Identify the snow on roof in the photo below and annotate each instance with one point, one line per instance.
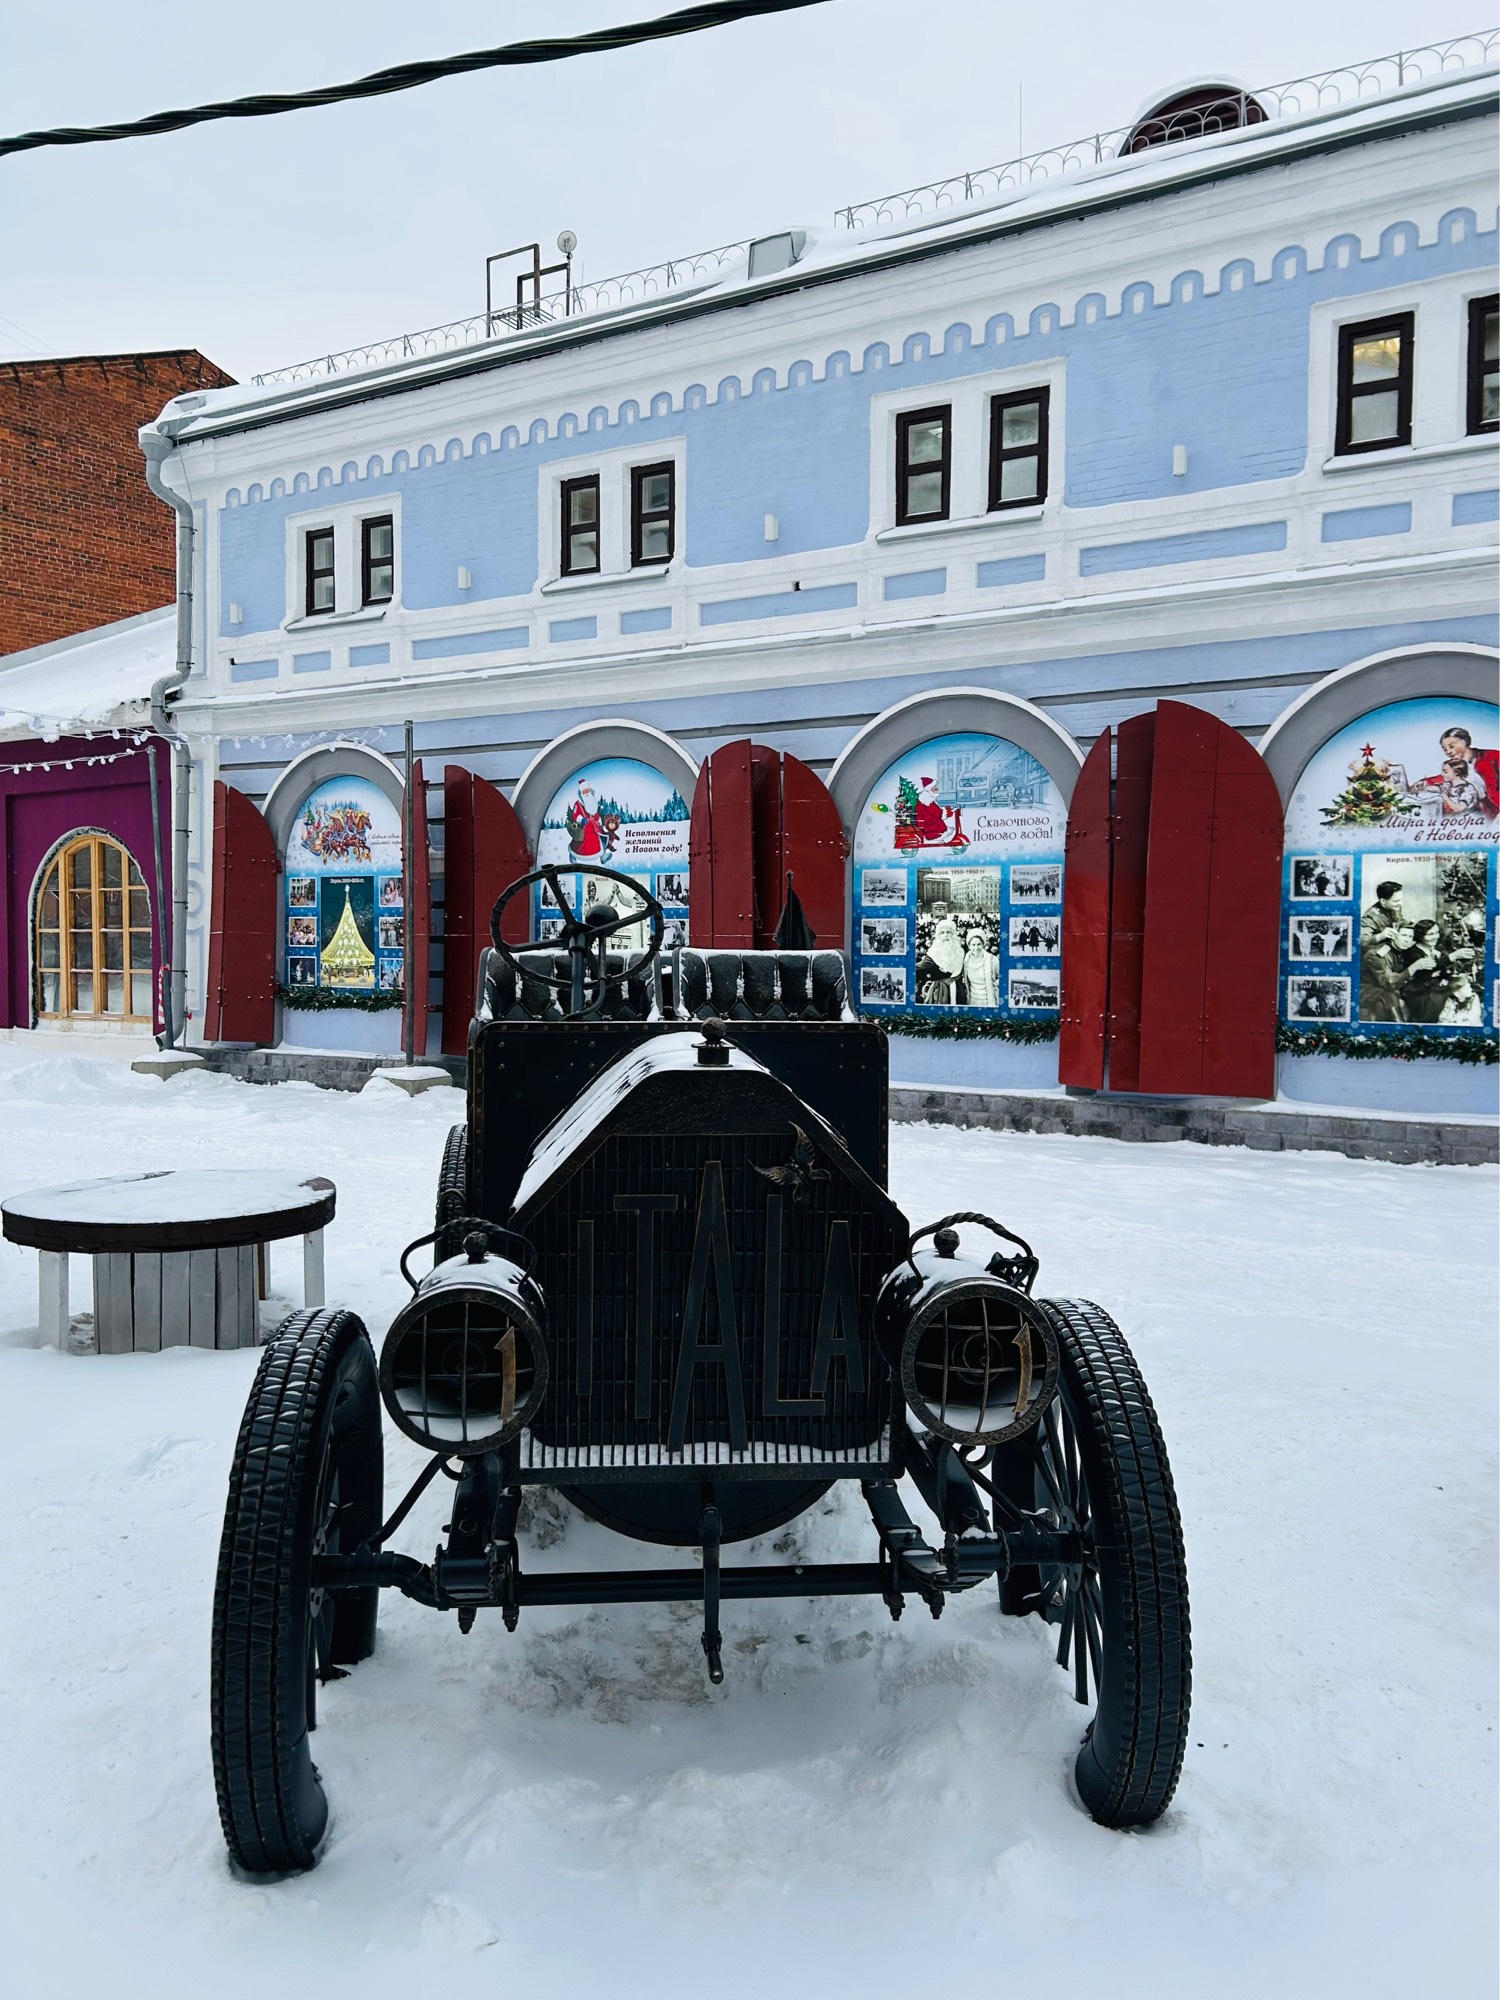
(91, 679)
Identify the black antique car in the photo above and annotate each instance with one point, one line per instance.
(669, 1282)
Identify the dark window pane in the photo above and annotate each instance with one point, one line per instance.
(924, 493)
(321, 598)
(656, 492)
(81, 948)
(140, 909)
(1018, 478)
(113, 912)
(583, 504)
(51, 945)
(583, 549)
(1374, 417)
(49, 901)
(1020, 424)
(83, 866)
(380, 540)
(322, 551)
(140, 949)
(110, 867)
(82, 910)
(656, 541)
(924, 442)
(114, 950)
(1489, 399)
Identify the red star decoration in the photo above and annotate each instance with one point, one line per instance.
(1367, 750)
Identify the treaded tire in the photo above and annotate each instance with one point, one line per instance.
(1128, 1767)
(308, 1469)
(452, 1194)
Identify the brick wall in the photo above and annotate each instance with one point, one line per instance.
(83, 540)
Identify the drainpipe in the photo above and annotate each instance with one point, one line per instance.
(158, 445)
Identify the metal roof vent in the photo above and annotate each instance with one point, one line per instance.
(769, 254)
(1192, 112)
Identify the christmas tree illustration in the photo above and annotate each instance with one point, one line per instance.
(347, 959)
(906, 803)
(1369, 799)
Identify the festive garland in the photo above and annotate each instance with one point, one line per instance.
(1394, 1045)
(965, 1028)
(318, 1000)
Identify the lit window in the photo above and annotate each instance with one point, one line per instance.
(377, 560)
(922, 465)
(93, 934)
(580, 526)
(319, 570)
(1374, 400)
(652, 511)
(1018, 450)
(1484, 364)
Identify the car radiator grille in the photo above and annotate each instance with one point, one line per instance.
(700, 1316)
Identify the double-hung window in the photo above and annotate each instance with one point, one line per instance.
(1484, 366)
(580, 526)
(1374, 384)
(377, 560)
(923, 461)
(653, 508)
(318, 562)
(1018, 450)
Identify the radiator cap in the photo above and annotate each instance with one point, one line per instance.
(713, 1050)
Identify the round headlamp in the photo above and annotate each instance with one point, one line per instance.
(464, 1366)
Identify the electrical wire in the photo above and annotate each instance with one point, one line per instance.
(407, 76)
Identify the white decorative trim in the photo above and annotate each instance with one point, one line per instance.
(970, 524)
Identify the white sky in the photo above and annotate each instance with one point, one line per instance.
(266, 242)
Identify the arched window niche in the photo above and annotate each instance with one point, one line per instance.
(955, 807)
(616, 795)
(91, 934)
(336, 817)
(1390, 776)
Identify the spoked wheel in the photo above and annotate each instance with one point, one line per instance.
(452, 1195)
(1121, 1611)
(307, 1478)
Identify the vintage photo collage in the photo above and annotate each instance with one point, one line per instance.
(345, 932)
(960, 936)
(668, 885)
(1413, 943)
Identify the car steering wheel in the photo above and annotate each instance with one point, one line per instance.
(583, 937)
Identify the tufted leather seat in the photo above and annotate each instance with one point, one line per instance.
(503, 996)
(762, 985)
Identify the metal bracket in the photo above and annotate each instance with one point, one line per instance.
(710, 1531)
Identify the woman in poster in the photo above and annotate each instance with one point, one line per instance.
(981, 972)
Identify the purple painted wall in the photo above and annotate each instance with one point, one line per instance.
(38, 808)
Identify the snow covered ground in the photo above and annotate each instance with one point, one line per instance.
(862, 1808)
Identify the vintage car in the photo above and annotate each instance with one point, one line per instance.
(670, 1283)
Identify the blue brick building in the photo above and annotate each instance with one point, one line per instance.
(1210, 421)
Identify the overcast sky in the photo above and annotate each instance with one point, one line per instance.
(266, 242)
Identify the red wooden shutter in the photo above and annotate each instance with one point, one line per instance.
(721, 907)
(241, 997)
(798, 831)
(1084, 1037)
(418, 868)
(484, 851)
(1213, 903)
(1133, 769)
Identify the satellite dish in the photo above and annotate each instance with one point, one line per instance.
(567, 242)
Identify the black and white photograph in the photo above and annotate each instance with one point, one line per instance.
(882, 937)
(672, 888)
(1310, 998)
(599, 895)
(390, 894)
(884, 985)
(958, 937)
(1035, 937)
(390, 975)
(302, 892)
(1422, 943)
(302, 970)
(1035, 988)
(548, 928)
(392, 932)
(1319, 937)
(883, 885)
(1322, 878)
(1039, 883)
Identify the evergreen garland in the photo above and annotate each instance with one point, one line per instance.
(965, 1028)
(1391, 1045)
(319, 1000)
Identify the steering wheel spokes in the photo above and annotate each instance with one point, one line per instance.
(586, 923)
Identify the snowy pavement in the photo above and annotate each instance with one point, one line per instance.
(862, 1808)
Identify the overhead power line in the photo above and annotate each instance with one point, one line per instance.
(407, 76)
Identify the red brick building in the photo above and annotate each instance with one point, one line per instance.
(83, 540)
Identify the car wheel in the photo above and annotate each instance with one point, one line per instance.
(452, 1195)
(307, 1477)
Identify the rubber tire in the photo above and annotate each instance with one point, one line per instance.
(313, 1413)
(452, 1194)
(1128, 1767)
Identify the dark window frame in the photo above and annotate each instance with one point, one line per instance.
(566, 565)
(1000, 454)
(313, 573)
(1479, 310)
(1349, 393)
(906, 421)
(367, 561)
(641, 517)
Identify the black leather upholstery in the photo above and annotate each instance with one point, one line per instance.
(762, 985)
(503, 996)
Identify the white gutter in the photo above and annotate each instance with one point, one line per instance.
(158, 443)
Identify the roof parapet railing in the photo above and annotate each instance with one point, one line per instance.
(1350, 83)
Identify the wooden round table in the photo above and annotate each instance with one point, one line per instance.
(176, 1253)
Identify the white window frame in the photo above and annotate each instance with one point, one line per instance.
(968, 398)
(612, 469)
(1439, 390)
(346, 520)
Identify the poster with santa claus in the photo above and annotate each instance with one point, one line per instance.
(624, 815)
(966, 831)
(1391, 839)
